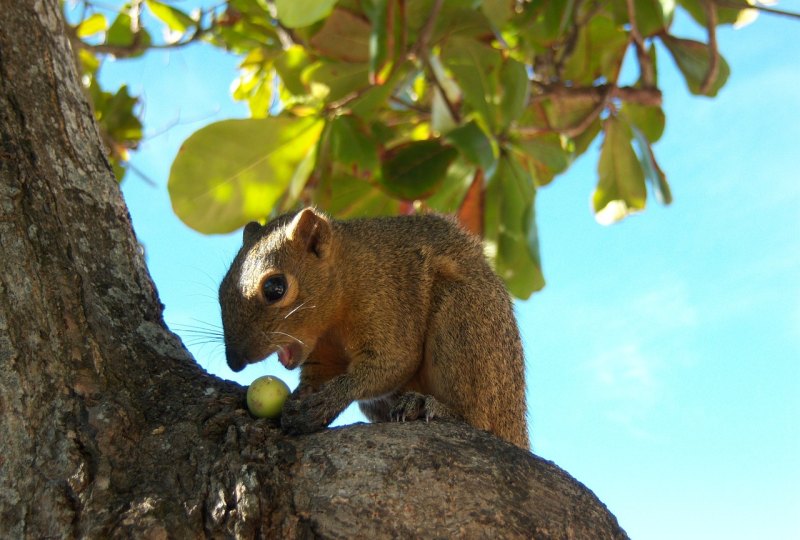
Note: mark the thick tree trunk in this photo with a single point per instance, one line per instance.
(107, 426)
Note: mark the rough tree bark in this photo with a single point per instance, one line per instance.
(109, 429)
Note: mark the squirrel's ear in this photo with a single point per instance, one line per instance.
(311, 230)
(250, 232)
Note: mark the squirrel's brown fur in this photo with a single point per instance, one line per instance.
(401, 314)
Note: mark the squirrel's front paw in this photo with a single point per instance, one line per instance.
(413, 405)
(304, 415)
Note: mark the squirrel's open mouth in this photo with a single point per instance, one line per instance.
(290, 355)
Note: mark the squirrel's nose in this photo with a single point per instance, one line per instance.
(235, 360)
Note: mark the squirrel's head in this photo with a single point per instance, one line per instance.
(278, 294)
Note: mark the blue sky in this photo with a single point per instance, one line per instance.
(663, 357)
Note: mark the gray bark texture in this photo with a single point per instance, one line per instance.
(108, 428)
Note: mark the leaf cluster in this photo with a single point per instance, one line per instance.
(369, 107)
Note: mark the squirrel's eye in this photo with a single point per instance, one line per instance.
(274, 287)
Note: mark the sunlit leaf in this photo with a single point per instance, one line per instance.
(413, 170)
(174, 18)
(290, 65)
(232, 172)
(299, 13)
(91, 25)
(620, 190)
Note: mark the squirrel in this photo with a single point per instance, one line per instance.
(402, 314)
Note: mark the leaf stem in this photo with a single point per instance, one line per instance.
(713, 65)
(646, 71)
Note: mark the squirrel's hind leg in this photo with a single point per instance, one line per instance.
(413, 405)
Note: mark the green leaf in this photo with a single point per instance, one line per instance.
(290, 65)
(174, 18)
(498, 11)
(449, 195)
(598, 52)
(117, 118)
(91, 25)
(650, 121)
(694, 60)
(369, 103)
(332, 81)
(299, 13)
(475, 67)
(652, 16)
(121, 34)
(515, 91)
(232, 172)
(510, 233)
(620, 190)
(346, 196)
(255, 85)
(546, 156)
(561, 113)
(474, 145)
(585, 139)
(351, 145)
(652, 172)
(344, 36)
(725, 15)
(378, 12)
(413, 170)
(544, 22)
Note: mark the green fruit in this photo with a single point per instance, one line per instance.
(266, 396)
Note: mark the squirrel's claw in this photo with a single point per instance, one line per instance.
(413, 406)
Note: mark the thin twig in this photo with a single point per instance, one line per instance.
(713, 65)
(604, 95)
(427, 30)
(645, 65)
(454, 114)
(574, 130)
(138, 172)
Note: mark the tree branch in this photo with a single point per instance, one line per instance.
(641, 96)
(452, 109)
(602, 94)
